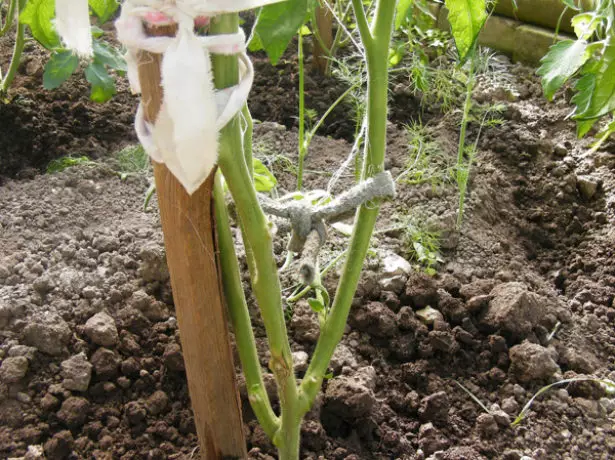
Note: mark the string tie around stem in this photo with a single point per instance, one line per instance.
(308, 221)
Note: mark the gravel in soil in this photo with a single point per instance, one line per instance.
(91, 362)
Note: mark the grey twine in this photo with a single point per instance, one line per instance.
(309, 232)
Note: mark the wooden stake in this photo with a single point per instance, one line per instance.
(324, 24)
(188, 225)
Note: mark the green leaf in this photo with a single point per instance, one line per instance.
(570, 4)
(103, 86)
(38, 16)
(597, 98)
(316, 305)
(467, 18)
(585, 25)
(277, 25)
(109, 56)
(104, 9)
(583, 127)
(401, 12)
(97, 32)
(59, 68)
(264, 180)
(562, 61)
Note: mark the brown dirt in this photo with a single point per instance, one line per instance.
(533, 251)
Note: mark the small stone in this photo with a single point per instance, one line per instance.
(101, 330)
(124, 382)
(477, 303)
(34, 453)
(157, 403)
(421, 290)
(351, 397)
(49, 403)
(434, 408)
(77, 372)
(23, 398)
(393, 283)
(514, 309)
(500, 417)
(510, 406)
(431, 439)
(530, 361)
(429, 315)
(154, 264)
(13, 370)
(443, 341)
(486, 425)
(59, 446)
(343, 356)
(49, 334)
(135, 413)
(106, 243)
(43, 285)
(151, 308)
(74, 412)
(300, 361)
(393, 264)
(588, 186)
(375, 319)
(173, 358)
(22, 350)
(560, 150)
(106, 363)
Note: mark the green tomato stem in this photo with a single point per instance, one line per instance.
(17, 51)
(376, 44)
(302, 145)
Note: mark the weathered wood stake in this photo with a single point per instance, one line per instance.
(324, 24)
(188, 225)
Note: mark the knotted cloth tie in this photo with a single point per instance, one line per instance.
(185, 134)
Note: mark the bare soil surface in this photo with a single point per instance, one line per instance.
(91, 363)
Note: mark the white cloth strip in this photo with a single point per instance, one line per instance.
(185, 134)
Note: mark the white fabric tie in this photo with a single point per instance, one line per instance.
(185, 134)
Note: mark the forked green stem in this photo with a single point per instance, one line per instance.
(295, 400)
(376, 42)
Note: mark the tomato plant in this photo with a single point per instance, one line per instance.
(37, 17)
(589, 62)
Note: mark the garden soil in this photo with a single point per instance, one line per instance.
(91, 362)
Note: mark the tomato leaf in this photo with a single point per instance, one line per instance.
(562, 61)
(596, 97)
(277, 25)
(60, 66)
(264, 180)
(570, 4)
(109, 56)
(103, 86)
(401, 12)
(467, 18)
(38, 16)
(104, 9)
(316, 305)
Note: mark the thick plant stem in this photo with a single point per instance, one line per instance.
(265, 282)
(17, 50)
(376, 41)
(240, 318)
